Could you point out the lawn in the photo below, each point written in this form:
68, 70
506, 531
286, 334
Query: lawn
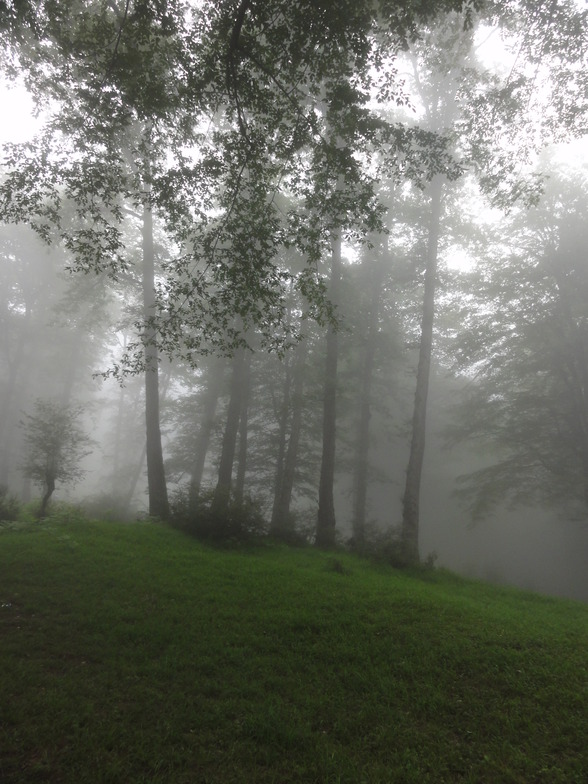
134, 654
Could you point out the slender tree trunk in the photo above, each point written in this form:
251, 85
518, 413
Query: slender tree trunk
281, 510
325, 528
116, 455
361, 462
411, 499
138, 470
158, 500
282, 439
117, 458
243, 432
215, 380
225, 469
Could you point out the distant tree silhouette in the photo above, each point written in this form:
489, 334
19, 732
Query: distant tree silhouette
55, 444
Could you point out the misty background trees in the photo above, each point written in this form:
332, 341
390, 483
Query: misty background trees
55, 445
323, 263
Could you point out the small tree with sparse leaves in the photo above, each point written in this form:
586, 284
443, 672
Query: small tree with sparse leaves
55, 445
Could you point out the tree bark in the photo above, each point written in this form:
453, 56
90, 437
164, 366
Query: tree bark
243, 432
411, 498
284, 416
116, 453
280, 522
215, 376
326, 522
362, 448
225, 470
157, 488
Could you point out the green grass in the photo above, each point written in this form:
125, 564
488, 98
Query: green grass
133, 654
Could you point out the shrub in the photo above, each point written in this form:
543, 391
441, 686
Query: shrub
239, 522
383, 546
105, 506
62, 512
59, 512
29, 511
296, 530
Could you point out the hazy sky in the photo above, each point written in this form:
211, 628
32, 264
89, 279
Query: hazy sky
18, 123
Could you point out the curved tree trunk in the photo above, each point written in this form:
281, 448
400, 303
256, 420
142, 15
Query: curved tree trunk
325, 528
411, 498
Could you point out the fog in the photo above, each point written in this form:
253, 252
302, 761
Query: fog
537, 549
347, 308
533, 548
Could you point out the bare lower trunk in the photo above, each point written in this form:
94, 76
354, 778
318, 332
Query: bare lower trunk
411, 499
282, 441
243, 432
225, 469
281, 511
362, 448
215, 376
325, 528
158, 500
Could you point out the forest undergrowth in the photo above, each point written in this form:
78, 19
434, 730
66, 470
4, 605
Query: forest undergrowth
132, 653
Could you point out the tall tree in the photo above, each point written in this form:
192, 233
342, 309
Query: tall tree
235, 408
438, 76
243, 432
326, 521
527, 327
483, 110
412, 489
158, 501
263, 67
361, 461
290, 428
214, 380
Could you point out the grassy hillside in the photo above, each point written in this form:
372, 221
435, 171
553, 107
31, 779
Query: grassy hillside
132, 654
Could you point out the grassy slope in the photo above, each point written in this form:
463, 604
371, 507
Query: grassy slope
132, 654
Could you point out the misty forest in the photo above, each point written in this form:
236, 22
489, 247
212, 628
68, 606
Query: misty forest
293, 391
310, 269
